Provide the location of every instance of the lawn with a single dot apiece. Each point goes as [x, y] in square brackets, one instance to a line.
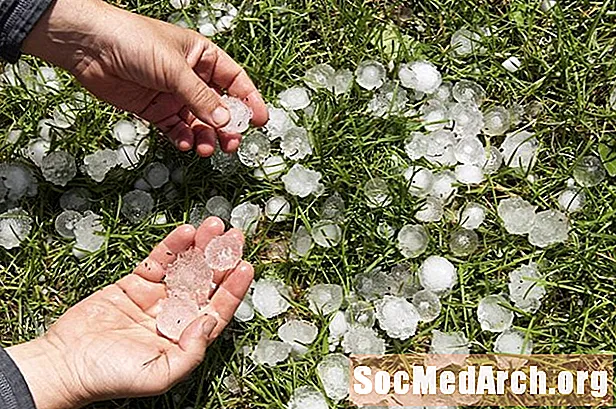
[568, 70]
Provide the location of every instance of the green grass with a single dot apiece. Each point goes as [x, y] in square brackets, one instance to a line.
[568, 67]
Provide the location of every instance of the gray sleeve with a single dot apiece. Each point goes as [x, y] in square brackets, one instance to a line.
[17, 18]
[14, 392]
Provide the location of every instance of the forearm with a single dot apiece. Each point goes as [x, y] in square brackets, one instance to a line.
[68, 31]
[47, 375]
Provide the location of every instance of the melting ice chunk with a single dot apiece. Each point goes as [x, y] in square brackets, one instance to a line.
[223, 252]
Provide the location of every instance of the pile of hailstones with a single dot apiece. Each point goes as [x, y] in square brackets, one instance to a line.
[399, 299]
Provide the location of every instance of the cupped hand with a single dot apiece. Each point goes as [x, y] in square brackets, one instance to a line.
[167, 75]
[109, 341]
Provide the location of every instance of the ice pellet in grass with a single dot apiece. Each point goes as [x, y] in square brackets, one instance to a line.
[390, 99]
[412, 240]
[240, 115]
[571, 200]
[470, 151]
[58, 167]
[225, 163]
[514, 342]
[421, 76]
[77, 198]
[343, 81]
[270, 353]
[397, 317]
[324, 298]
[512, 64]
[360, 313]
[65, 223]
[362, 341]
[493, 314]
[156, 174]
[431, 210]
[245, 311]
[463, 242]
[301, 242]
[277, 209]
[279, 122]
[493, 162]
[443, 187]
[64, 115]
[88, 235]
[440, 148]
[307, 397]
[377, 193]
[496, 121]
[179, 4]
[223, 253]
[295, 144]
[326, 233]
[437, 274]
[338, 326]
[99, 163]
[299, 334]
[421, 180]
[271, 168]
[427, 304]
[253, 150]
[547, 5]
[218, 206]
[300, 181]
[36, 150]
[550, 227]
[435, 115]
[137, 205]
[519, 150]
[446, 343]
[589, 171]
[467, 118]
[125, 132]
[525, 287]
[469, 174]
[472, 216]
[370, 75]
[612, 100]
[468, 93]
[128, 156]
[16, 183]
[245, 217]
[416, 145]
[517, 215]
[334, 374]
[333, 208]
[464, 42]
[267, 297]
[320, 77]
[294, 99]
[15, 226]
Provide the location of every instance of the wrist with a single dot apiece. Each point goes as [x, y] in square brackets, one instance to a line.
[51, 382]
[68, 31]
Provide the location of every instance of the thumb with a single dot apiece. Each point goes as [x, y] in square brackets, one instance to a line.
[196, 337]
[203, 101]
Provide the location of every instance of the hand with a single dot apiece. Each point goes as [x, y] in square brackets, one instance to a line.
[107, 346]
[167, 75]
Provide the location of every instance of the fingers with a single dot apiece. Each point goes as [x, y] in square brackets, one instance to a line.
[178, 241]
[229, 142]
[145, 294]
[196, 336]
[205, 139]
[227, 74]
[210, 228]
[203, 101]
[182, 136]
[230, 294]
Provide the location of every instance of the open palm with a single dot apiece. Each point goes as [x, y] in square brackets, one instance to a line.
[110, 338]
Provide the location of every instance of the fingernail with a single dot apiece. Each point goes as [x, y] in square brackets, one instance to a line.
[208, 326]
[220, 116]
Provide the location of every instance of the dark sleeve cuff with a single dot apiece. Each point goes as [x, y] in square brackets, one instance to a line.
[17, 18]
[14, 392]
